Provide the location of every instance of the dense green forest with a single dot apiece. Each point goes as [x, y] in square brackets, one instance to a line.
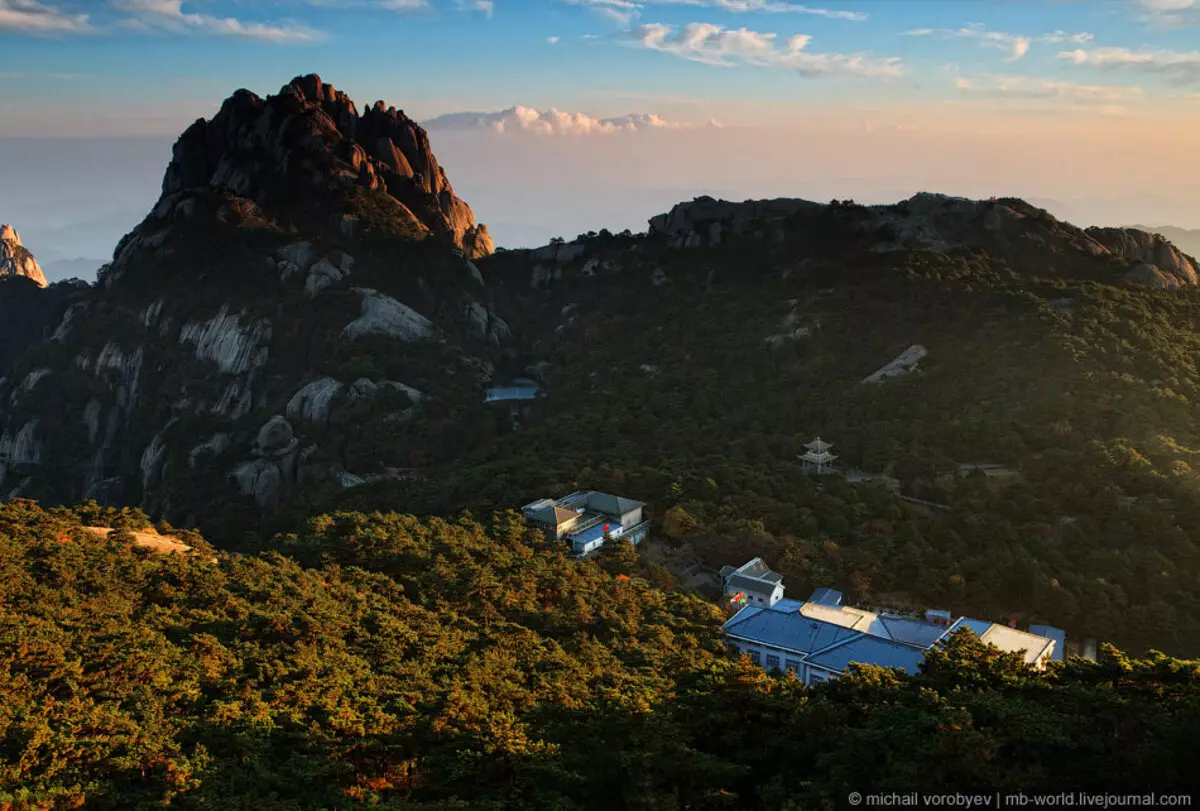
[383, 660]
[1083, 391]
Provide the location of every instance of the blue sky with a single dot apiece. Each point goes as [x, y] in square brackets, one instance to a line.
[560, 116]
[600, 56]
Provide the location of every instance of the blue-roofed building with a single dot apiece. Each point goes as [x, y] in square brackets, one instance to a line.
[586, 518]
[818, 641]
[826, 597]
[1057, 634]
[516, 390]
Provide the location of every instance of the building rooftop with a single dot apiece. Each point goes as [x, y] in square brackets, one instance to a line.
[593, 532]
[869, 650]
[553, 515]
[612, 505]
[1007, 639]
[832, 636]
[1057, 634]
[826, 597]
[786, 629]
[754, 584]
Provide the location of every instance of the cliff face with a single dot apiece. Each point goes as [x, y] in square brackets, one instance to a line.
[298, 314]
[16, 260]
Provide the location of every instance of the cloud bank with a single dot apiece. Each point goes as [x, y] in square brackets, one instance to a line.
[726, 47]
[1016, 44]
[31, 17]
[552, 122]
[169, 15]
[1178, 67]
[624, 12]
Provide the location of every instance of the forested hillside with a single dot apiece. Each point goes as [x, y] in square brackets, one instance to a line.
[396, 662]
[692, 379]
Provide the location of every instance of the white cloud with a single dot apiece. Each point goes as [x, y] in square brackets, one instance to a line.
[484, 7]
[1025, 87]
[622, 12]
[625, 12]
[713, 45]
[169, 15]
[552, 40]
[552, 122]
[1016, 45]
[390, 5]
[1178, 67]
[771, 7]
[31, 17]
[1171, 13]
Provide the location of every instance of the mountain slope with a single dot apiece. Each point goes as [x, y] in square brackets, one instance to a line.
[391, 662]
[692, 377]
[297, 325]
[292, 313]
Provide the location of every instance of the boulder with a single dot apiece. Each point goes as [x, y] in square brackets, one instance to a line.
[904, 363]
[314, 402]
[325, 273]
[383, 315]
[275, 438]
[215, 445]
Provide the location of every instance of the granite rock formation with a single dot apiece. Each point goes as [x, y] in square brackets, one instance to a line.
[15, 258]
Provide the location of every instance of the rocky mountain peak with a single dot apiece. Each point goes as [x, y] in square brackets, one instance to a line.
[15, 258]
[305, 159]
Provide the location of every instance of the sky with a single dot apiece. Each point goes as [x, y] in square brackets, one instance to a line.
[562, 116]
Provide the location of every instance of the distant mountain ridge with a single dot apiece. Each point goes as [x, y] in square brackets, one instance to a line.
[1188, 239]
[78, 268]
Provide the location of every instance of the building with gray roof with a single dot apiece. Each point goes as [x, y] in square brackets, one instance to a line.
[752, 583]
[585, 519]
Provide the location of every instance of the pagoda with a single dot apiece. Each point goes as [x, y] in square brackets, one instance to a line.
[818, 459]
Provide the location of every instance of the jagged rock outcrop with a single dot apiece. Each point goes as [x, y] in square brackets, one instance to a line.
[306, 157]
[1161, 264]
[707, 221]
[15, 258]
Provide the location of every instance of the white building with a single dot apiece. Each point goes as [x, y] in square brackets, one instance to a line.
[817, 640]
[752, 583]
[584, 519]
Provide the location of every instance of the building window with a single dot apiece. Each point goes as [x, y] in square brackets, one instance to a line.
[772, 663]
[793, 665]
[755, 657]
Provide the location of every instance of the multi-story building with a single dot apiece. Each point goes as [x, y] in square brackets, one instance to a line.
[818, 639]
[586, 518]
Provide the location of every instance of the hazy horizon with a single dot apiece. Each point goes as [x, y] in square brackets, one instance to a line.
[530, 190]
[564, 116]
